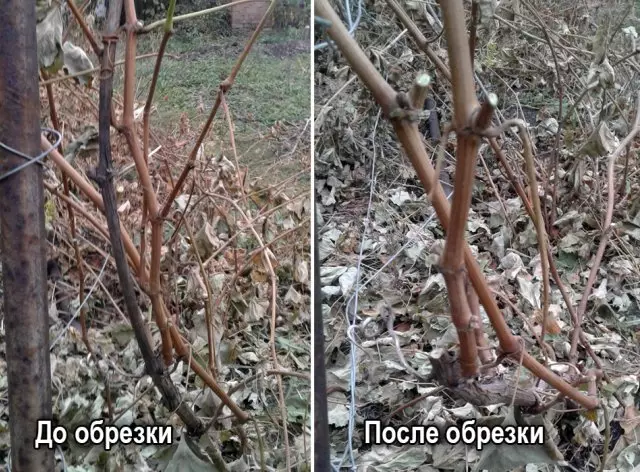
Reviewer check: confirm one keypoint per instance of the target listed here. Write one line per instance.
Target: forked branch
(410, 138)
(104, 177)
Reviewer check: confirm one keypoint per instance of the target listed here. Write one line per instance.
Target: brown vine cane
(409, 136)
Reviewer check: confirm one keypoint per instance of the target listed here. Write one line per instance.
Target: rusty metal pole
(22, 240)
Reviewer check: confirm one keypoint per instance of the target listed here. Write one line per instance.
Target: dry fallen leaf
(551, 326)
(630, 421)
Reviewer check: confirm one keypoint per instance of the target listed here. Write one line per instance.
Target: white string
(352, 310)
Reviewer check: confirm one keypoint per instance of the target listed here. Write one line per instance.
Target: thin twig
(259, 216)
(225, 86)
(553, 269)
(540, 226)
(168, 32)
(208, 307)
(266, 259)
(85, 29)
(195, 14)
(232, 140)
(415, 401)
(553, 174)
(247, 380)
(606, 225)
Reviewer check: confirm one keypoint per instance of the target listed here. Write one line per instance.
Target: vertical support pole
(320, 408)
(22, 239)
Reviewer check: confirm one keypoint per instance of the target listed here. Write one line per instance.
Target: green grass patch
(267, 89)
(272, 85)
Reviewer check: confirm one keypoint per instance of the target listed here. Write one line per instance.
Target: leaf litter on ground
(401, 243)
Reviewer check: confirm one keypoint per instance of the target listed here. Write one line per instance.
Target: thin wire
(75, 315)
(352, 303)
(38, 159)
(352, 320)
(64, 463)
(30, 160)
(351, 24)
